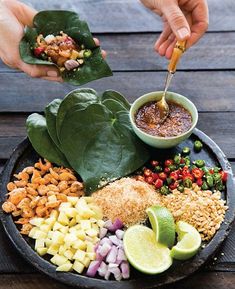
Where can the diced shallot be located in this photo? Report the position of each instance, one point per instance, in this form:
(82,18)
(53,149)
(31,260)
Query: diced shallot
(121,256)
(71,64)
(116,272)
(108,224)
(102,269)
(103,232)
(107,274)
(112,255)
(93,268)
(106,240)
(104,249)
(117,224)
(120,234)
(125,270)
(115,240)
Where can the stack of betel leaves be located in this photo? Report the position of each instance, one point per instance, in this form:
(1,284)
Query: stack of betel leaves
(90,133)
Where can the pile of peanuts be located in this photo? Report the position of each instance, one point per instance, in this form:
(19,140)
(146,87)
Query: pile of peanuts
(30,195)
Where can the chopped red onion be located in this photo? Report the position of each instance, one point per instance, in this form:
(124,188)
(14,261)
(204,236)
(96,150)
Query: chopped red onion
(99,257)
(121,256)
(125,269)
(104,249)
(117,224)
(102,269)
(92,269)
(116,272)
(103,232)
(120,233)
(115,240)
(106,240)
(112,265)
(108,224)
(112,255)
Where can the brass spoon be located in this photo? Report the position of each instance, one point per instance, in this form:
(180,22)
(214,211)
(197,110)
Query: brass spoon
(177,52)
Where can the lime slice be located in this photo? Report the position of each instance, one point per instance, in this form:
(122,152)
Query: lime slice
(163,225)
(189,241)
(143,252)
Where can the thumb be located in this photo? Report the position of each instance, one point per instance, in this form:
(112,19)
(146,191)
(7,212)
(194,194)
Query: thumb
(40,70)
(177,21)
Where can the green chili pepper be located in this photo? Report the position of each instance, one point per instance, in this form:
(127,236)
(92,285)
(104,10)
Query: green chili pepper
(210,181)
(186,150)
(187,161)
(219,185)
(200,163)
(87,53)
(177,159)
(198,146)
(169,181)
(164,190)
(217,177)
(187,183)
(216,169)
(158,169)
(172,168)
(180,188)
(204,186)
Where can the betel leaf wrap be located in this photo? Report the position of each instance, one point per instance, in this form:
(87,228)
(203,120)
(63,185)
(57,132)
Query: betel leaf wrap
(52,22)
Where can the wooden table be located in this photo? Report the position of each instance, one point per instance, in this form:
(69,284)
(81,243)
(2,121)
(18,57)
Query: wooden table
(127,32)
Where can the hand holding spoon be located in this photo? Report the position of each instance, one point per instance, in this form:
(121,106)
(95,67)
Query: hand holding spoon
(177,52)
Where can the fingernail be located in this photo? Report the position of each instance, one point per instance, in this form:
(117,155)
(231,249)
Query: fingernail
(183,33)
(52,73)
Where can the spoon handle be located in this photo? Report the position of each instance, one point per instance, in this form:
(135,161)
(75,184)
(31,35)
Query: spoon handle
(177,52)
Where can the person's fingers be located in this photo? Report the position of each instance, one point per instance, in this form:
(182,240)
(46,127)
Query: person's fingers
(162,49)
(163,36)
(97,42)
(39,70)
(104,53)
(176,20)
(169,49)
(56,79)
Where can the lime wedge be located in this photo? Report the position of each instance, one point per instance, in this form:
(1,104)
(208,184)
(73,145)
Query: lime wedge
(143,252)
(189,241)
(163,225)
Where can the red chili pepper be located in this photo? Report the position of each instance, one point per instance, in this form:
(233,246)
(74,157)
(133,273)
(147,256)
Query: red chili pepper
(174,175)
(211,171)
(174,185)
(155,176)
(162,176)
(158,184)
(199,182)
(168,162)
(224,175)
(154,163)
(190,177)
(182,161)
(167,170)
(38,51)
(185,171)
(197,173)
(147,173)
(149,180)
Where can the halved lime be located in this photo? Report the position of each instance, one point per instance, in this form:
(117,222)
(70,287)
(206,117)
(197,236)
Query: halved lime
(189,241)
(163,225)
(143,252)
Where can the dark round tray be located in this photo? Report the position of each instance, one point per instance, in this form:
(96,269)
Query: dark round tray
(24,155)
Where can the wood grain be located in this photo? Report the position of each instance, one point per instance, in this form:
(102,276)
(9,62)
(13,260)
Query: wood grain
(210,91)
(135,52)
(200,280)
(131,16)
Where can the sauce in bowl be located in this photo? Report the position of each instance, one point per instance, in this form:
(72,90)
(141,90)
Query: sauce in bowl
(179,120)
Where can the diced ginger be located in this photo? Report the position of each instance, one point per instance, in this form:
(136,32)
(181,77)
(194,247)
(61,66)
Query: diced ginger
(65,205)
(81,235)
(86,262)
(91,255)
(33,231)
(50,221)
(48,242)
(70,238)
(53,249)
(97,211)
(79,255)
(62,249)
(39,243)
(64,229)
(85,224)
(90,248)
(100,223)
(57,238)
(41,251)
(45,228)
(63,219)
(72,222)
(65,267)
(92,232)
(78,266)
(71,212)
(54,213)
(57,226)
(37,222)
(79,244)
(68,254)
(95,227)
(39,235)
(59,260)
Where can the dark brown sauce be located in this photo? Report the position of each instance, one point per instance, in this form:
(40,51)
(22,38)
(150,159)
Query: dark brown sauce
(148,120)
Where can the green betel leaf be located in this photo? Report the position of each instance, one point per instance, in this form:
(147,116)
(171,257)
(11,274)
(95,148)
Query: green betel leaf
(79,98)
(112,94)
(41,141)
(52,22)
(100,145)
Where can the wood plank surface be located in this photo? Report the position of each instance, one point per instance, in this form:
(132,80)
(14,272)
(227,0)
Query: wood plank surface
(202,280)
(130,52)
(131,16)
(210,91)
